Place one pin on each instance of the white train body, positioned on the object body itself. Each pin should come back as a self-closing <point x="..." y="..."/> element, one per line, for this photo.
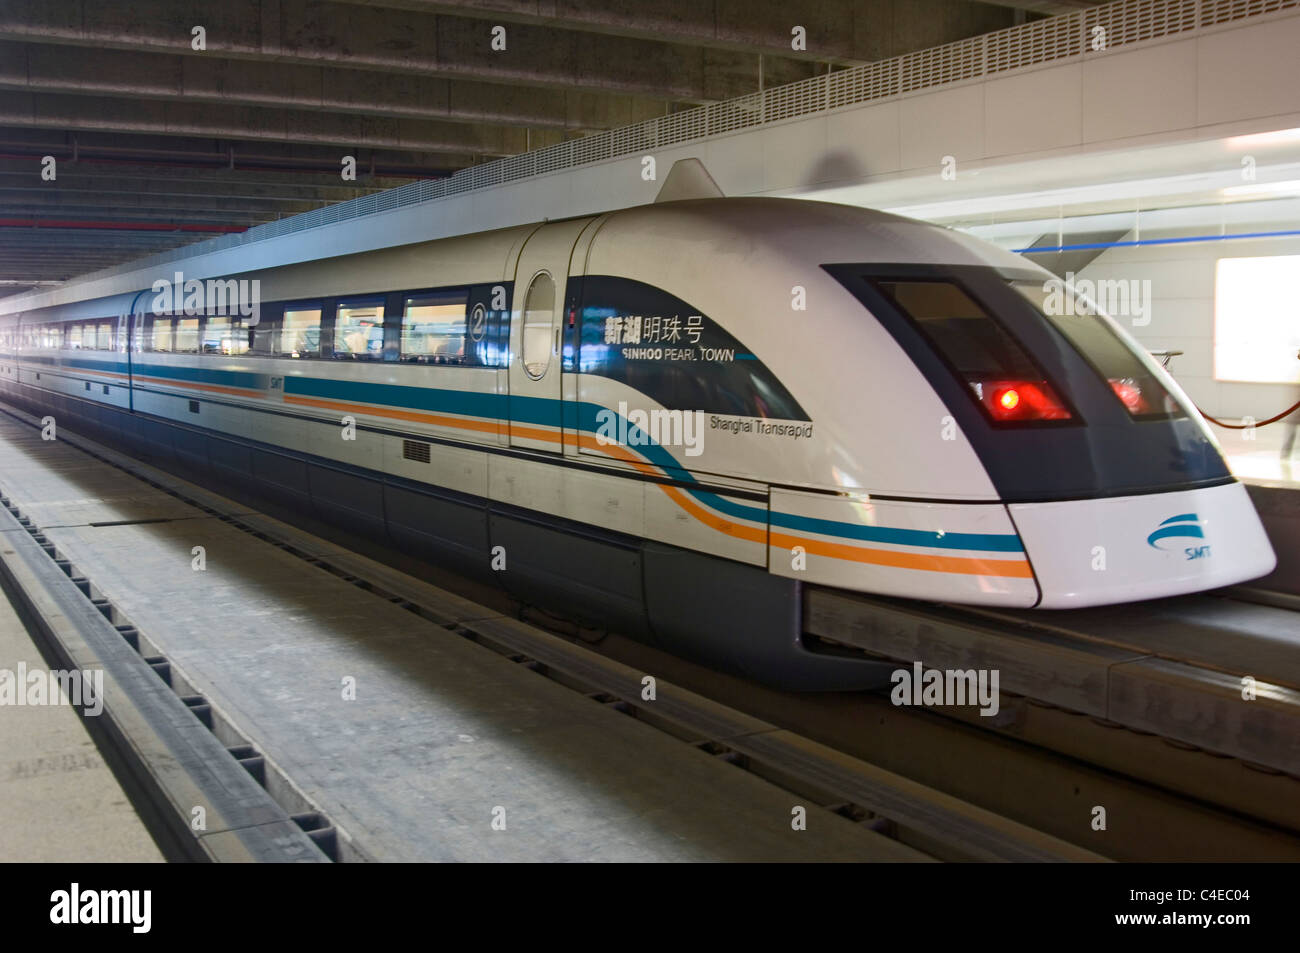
<point x="839" y="397"/>
<point x="885" y="452"/>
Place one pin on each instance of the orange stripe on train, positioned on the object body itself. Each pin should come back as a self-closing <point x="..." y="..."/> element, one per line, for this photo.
<point x="1018" y="569"/>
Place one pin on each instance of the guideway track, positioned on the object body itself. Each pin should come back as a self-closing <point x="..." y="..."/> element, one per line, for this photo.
<point x="410" y="653"/>
<point x="1213" y="673"/>
<point x="163" y="755"/>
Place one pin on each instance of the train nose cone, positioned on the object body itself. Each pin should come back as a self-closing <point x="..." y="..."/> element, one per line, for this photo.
<point x="1121" y="549"/>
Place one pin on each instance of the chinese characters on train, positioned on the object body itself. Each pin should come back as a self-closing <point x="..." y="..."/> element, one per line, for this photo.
<point x="636" y="329"/>
<point x="656" y="338"/>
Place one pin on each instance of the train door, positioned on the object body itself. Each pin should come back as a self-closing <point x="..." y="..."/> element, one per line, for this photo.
<point x="541" y="279"/>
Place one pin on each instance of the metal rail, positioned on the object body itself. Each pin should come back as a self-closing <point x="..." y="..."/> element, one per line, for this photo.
<point x="158" y="735"/>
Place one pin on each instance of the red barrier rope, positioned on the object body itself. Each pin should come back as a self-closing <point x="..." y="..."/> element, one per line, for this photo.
<point x="1272" y="420"/>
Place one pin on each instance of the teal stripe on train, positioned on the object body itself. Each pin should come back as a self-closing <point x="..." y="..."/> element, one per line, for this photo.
<point x="577" y="416"/>
<point x="582" y="416"/>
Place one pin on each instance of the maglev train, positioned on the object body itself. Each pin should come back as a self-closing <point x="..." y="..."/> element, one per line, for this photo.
<point x="666" y="419"/>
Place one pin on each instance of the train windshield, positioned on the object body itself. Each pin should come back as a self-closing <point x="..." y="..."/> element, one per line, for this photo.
<point x="1005" y="381"/>
<point x="1082" y="323"/>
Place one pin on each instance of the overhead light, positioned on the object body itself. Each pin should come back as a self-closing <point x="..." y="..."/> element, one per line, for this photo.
<point x="1280" y="137"/>
<point x="1289" y="187"/>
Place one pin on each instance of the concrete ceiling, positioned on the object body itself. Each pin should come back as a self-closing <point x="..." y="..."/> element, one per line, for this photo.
<point x="159" y="144"/>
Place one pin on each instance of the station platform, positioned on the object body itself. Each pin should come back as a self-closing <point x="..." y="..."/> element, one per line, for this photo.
<point x="417" y="744"/>
<point x="1259" y="460"/>
<point x="59" y="801"/>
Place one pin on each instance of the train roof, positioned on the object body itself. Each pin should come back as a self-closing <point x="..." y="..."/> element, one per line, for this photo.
<point x="810" y="231"/>
<point x="796" y="229"/>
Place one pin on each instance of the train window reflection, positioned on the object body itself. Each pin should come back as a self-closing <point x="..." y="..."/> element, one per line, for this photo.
<point x="1132" y="379"/>
<point x="263" y="336"/>
<point x="976" y="345"/>
<point x="161" y="336"/>
<point x="433" y="328"/>
<point x="187" y="336"/>
<point x="223" y="334"/>
<point x="300" y="332"/>
<point x="359" y="330"/>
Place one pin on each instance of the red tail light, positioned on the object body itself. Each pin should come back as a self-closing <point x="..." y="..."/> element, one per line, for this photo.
<point x="1130" y="392"/>
<point x="1020" y="400"/>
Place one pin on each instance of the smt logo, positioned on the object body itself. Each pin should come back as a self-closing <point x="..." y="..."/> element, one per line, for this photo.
<point x="103" y="906"/>
<point x="1182" y="526"/>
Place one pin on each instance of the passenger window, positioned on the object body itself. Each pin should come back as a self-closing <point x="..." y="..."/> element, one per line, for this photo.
<point x="216" y="330"/>
<point x="539" y="319"/>
<point x="223" y="334"/>
<point x="160" y="338"/>
<point x="263" y="335"/>
<point x="104" y="336"/>
<point x="433" y="328"/>
<point x="359" y="330"/>
<point x="187" y="336"/>
<point x="300" y="333"/>
<point x="73" y="340"/>
<point x="240" y="333"/>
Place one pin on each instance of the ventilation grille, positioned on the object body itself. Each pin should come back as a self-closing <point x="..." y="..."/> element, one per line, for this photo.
<point x="415" y="450"/>
<point x="950" y="63"/>
<point x="1225" y="11"/>
<point x="864" y="83"/>
<point x="1132" y="21"/>
<point x="1039" y="42"/>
